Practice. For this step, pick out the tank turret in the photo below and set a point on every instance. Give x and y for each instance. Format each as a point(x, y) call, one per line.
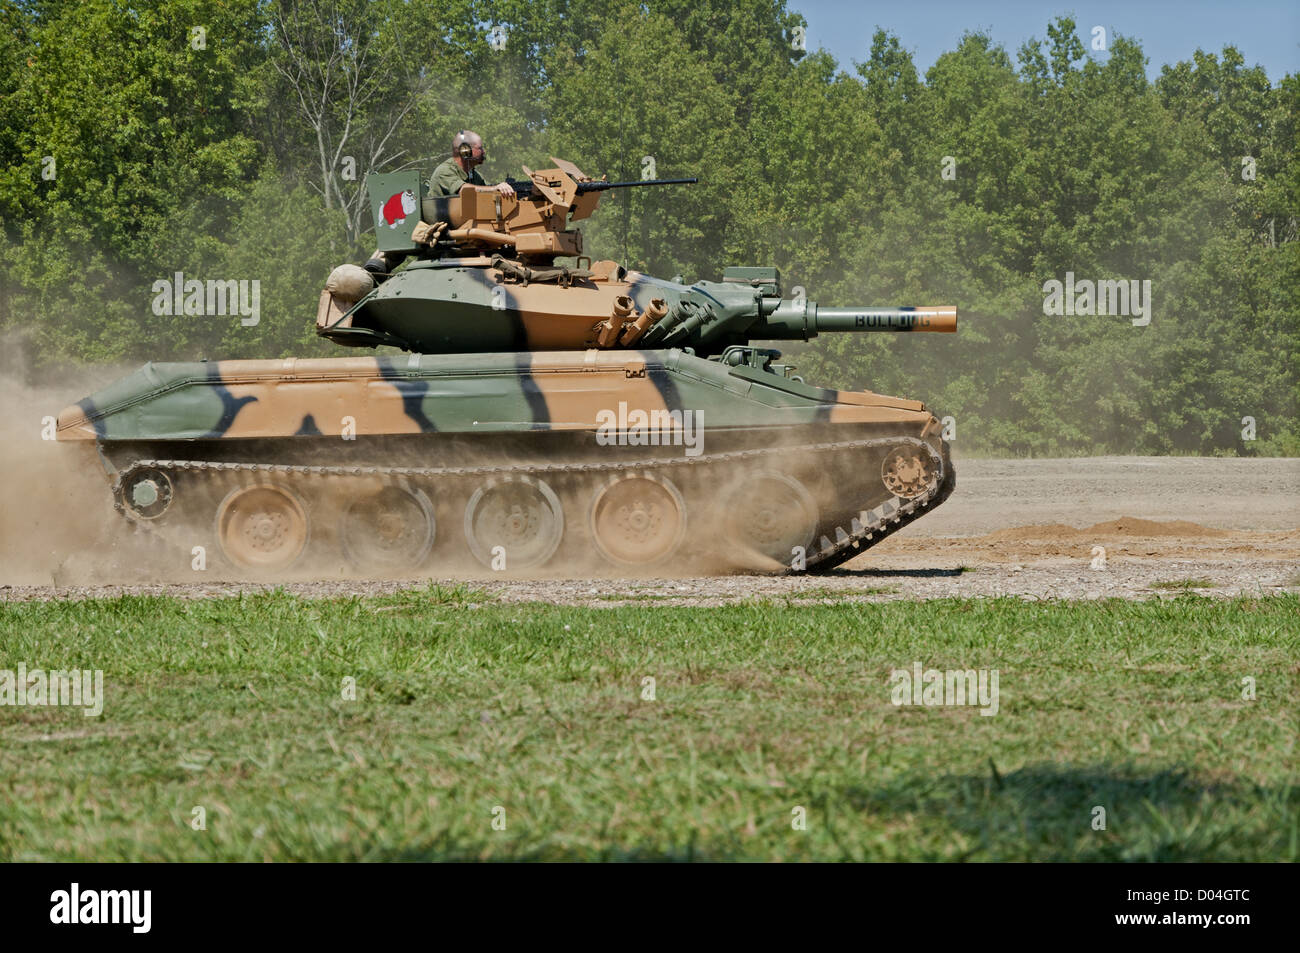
point(486, 280)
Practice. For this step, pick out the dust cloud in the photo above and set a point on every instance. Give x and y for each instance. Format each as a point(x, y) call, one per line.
point(56, 514)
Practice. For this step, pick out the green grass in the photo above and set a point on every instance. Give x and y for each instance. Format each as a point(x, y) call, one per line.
point(465, 704)
point(1192, 583)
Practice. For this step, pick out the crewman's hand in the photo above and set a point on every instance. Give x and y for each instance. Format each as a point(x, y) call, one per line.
point(505, 188)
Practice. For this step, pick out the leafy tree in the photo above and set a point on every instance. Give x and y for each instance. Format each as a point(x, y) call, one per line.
point(230, 139)
point(110, 150)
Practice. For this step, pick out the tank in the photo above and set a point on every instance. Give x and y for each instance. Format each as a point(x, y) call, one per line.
point(551, 414)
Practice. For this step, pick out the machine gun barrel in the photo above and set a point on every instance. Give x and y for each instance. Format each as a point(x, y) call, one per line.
point(602, 186)
point(523, 189)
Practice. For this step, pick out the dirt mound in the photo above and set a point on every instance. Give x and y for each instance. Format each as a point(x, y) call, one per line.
point(1132, 526)
point(1124, 526)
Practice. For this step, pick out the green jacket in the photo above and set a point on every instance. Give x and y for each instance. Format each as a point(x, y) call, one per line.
point(449, 177)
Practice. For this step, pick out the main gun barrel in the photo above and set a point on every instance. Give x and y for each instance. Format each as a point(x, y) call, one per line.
point(793, 320)
point(941, 319)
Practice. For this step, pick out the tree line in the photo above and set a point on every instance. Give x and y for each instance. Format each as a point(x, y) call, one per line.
point(229, 139)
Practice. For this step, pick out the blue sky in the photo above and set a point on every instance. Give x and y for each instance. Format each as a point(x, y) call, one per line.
point(1267, 32)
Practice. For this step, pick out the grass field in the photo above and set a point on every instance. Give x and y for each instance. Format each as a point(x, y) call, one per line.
point(534, 716)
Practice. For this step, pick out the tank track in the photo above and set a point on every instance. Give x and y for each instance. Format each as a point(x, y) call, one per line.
point(866, 529)
point(884, 520)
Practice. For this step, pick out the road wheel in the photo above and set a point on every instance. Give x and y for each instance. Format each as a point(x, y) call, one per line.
point(771, 513)
point(390, 529)
point(638, 519)
point(262, 527)
point(514, 523)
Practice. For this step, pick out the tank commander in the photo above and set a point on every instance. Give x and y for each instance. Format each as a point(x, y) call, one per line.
point(462, 167)
point(459, 168)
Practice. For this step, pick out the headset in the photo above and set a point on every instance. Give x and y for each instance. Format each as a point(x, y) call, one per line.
point(461, 147)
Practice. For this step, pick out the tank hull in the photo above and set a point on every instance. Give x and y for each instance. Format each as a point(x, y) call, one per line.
point(571, 461)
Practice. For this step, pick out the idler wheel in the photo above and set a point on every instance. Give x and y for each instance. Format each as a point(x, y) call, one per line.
point(391, 529)
point(148, 493)
point(262, 527)
point(908, 471)
point(521, 515)
point(638, 519)
point(771, 513)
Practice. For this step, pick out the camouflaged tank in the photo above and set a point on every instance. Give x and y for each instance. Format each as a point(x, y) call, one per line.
point(557, 417)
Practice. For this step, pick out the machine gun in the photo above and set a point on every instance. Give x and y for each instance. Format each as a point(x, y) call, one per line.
point(528, 188)
point(532, 225)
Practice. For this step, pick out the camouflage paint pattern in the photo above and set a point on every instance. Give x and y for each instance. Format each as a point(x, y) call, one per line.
point(480, 393)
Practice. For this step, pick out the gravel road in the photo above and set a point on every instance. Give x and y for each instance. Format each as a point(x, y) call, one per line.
point(1218, 492)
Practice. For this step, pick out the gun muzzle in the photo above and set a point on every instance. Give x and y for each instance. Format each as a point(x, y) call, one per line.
point(942, 318)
